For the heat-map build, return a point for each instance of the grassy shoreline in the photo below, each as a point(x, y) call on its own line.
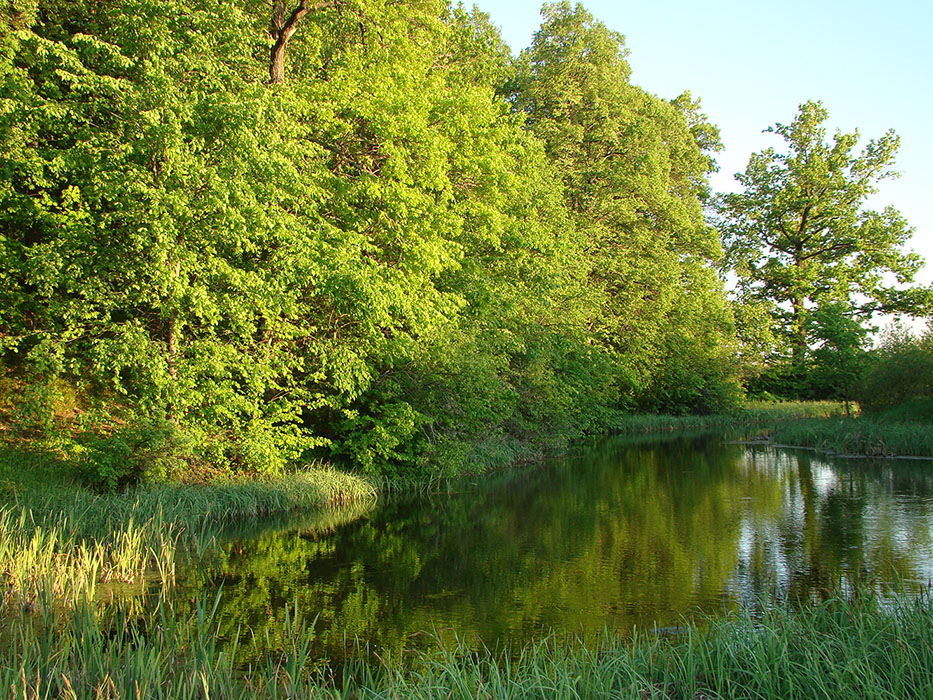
point(859, 437)
point(755, 415)
point(820, 426)
point(58, 540)
point(856, 647)
point(65, 553)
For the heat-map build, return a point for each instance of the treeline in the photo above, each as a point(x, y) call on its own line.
point(244, 234)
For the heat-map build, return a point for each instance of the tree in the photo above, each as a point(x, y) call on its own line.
point(839, 352)
point(799, 236)
point(900, 373)
point(634, 169)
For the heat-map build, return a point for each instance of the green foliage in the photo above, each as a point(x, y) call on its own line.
point(840, 358)
point(151, 452)
point(801, 241)
point(410, 252)
point(900, 372)
point(844, 648)
point(839, 648)
point(634, 171)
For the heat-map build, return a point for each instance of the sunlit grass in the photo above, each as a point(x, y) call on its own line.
point(58, 544)
point(794, 410)
point(838, 649)
point(52, 564)
point(758, 414)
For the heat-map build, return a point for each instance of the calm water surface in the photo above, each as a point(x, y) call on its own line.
point(630, 532)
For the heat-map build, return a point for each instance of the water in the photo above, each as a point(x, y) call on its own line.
point(628, 533)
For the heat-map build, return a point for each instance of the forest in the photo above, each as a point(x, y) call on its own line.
point(238, 237)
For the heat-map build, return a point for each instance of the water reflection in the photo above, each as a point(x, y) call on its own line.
point(841, 524)
point(631, 532)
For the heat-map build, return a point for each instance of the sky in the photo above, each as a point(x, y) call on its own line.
point(753, 63)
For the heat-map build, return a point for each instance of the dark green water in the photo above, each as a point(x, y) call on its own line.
point(641, 532)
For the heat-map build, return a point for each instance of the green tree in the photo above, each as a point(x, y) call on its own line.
point(900, 374)
point(634, 171)
point(839, 352)
point(799, 236)
point(182, 240)
point(511, 372)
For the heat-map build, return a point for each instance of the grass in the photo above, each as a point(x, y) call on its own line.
point(753, 415)
point(61, 543)
point(864, 437)
point(52, 565)
point(839, 649)
point(68, 632)
point(906, 431)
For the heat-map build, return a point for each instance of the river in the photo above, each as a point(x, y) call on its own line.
point(621, 534)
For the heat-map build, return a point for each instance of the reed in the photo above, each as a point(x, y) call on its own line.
point(863, 437)
point(755, 415)
point(58, 545)
point(857, 647)
point(838, 649)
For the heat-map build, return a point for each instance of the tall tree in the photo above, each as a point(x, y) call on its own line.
point(634, 173)
point(799, 235)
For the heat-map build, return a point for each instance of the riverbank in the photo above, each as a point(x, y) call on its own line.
point(859, 437)
point(93, 621)
point(754, 416)
point(840, 648)
point(820, 425)
point(60, 541)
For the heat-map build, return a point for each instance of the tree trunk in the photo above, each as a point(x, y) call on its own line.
point(799, 343)
point(283, 26)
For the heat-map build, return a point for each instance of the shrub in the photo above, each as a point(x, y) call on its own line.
point(152, 451)
point(901, 371)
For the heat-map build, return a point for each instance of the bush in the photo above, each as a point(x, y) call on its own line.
point(901, 371)
point(153, 451)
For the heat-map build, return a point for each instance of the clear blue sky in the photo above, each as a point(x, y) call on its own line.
point(752, 63)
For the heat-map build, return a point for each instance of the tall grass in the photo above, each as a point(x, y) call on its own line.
point(191, 506)
point(58, 545)
point(792, 410)
point(863, 436)
point(758, 414)
point(839, 649)
point(53, 566)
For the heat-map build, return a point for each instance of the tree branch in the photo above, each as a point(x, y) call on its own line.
point(283, 26)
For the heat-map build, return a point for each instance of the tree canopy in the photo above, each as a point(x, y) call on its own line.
point(251, 234)
point(802, 241)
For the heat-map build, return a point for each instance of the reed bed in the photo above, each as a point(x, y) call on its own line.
point(755, 415)
point(192, 506)
point(651, 423)
point(863, 436)
point(58, 545)
point(53, 565)
point(839, 649)
point(794, 410)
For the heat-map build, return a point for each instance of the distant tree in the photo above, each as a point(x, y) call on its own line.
point(900, 372)
point(799, 236)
